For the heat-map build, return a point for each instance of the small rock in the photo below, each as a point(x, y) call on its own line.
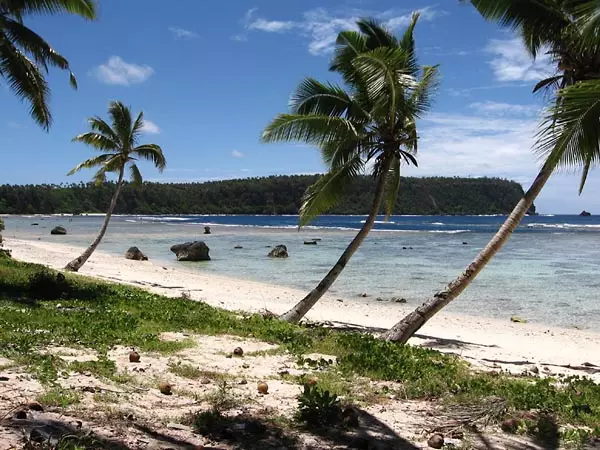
point(245, 366)
point(134, 357)
point(379, 299)
point(229, 355)
point(398, 299)
point(535, 370)
point(205, 381)
point(436, 441)
point(517, 319)
point(58, 231)
point(238, 247)
point(404, 248)
point(243, 381)
point(207, 230)
point(4, 378)
point(310, 242)
point(36, 436)
point(165, 388)
point(35, 406)
point(263, 388)
point(238, 351)
point(283, 373)
point(340, 300)
point(364, 294)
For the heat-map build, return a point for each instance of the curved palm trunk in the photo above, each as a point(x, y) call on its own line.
point(407, 327)
point(295, 314)
point(78, 262)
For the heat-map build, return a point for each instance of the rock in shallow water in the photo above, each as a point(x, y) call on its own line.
point(191, 251)
point(58, 230)
point(135, 254)
point(279, 251)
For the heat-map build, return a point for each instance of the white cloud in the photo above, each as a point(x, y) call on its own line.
point(239, 38)
point(322, 26)
point(512, 62)
point(150, 127)
point(237, 154)
point(117, 71)
point(181, 33)
point(505, 109)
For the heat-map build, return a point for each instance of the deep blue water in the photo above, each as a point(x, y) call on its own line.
point(448, 224)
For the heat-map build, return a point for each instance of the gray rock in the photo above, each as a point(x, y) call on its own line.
point(206, 230)
point(398, 300)
point(436, 441)
point(58, 230)
point(135, 254)
point(191, 251)
point(279, 251)
point(310, 242)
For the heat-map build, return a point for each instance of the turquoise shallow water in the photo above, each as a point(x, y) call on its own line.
point(547, 273)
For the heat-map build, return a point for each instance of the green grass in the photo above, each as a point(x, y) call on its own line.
point(95, 315)
point(59, 397)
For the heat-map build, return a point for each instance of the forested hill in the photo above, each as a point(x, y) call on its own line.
point(269, 195)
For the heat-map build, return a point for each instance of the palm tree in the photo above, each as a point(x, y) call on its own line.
point(25, 56)
point(371, 125)
point(569, 135)
point(119, 146)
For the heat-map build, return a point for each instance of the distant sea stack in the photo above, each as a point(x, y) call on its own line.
point(585, 213)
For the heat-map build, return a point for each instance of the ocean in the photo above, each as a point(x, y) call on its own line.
point(548, 273)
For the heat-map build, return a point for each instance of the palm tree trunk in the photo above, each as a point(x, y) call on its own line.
point(407, 327)
point(295, 314)
point(78, 262)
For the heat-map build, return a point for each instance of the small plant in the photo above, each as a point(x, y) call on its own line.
point(222, 399)
point(58, 396)
point(318, 407)
point(206, 422)
point(47, 285)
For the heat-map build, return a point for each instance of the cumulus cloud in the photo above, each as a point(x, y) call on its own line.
point(512, 62)
point(321, 26)
point(181, 33)
point(150, 127)
point(117, 71)
point(237, 154)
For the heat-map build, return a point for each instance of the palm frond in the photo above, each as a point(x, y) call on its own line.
point(136, 129)
point(25, 80)
point(135, 174)
point(100, 125)
point(588, 13)
point(348, 45)
point(337, 153)
point(100, 176)
point(570, 135)
point(311, 129)
point(122, 121)
point(96, 161)
point(547, 83)
point(422, 92)
point(98, 141)
point(376, 33)
point(328, 190)
point(314, 97)
point(18, 8)
point(537, 20)
point(153, 153)
point(382, 71)
point(392, 187)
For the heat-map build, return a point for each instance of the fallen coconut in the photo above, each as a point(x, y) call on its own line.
point(134, 357)
point(165, 388)
point(263, 388)
point(238, 351)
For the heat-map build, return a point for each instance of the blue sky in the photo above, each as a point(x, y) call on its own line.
point(210, 75)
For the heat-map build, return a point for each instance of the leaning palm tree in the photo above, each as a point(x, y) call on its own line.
point(569, 135)
point(25, 56)
point(369, 126)
point(119, 146)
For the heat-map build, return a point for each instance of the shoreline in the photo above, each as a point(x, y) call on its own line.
point(488, 344)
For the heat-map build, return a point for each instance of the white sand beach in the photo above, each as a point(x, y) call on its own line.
point(486, 343)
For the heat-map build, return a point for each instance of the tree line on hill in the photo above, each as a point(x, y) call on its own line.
point(267, 195)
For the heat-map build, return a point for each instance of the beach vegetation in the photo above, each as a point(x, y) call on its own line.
point(569, 136)
point(368, 125)
point(119, 315)
point(25, 57)
point(265, 195)
point(318, 406)
point(119, 146)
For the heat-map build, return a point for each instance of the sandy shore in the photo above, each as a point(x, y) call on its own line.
point(486, 343)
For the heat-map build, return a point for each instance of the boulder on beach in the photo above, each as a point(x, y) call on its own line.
point(135, 254)
point(207, 230)
point(58, 230)
point(191, 251)
point(279, 251)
